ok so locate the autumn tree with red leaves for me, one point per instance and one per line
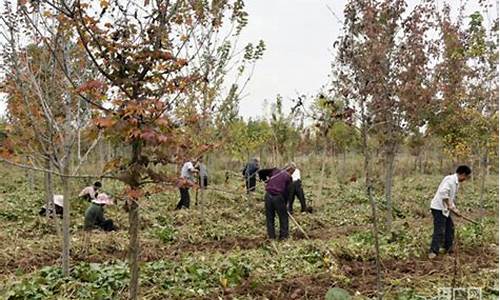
(151, 61)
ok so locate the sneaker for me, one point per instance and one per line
(432, 255)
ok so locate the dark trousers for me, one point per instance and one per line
(203, 181)
(444, 231)
(184, 202)
(59, 211)
(107, 225)
(250, 183)
(296, 190)
(276, 204)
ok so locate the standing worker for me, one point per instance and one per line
(296, 190)
(202, 176)
(250, 174)
(442, 205)
(184, 183)
(277, 191)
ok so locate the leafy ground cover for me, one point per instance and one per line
(220, 252)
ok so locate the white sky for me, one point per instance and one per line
(299, 35)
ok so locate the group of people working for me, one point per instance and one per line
(281, 188)
(94, 214)
(283, 185)
(188, 172)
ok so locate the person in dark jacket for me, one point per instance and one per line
(94, 215)
(277, 191)
(265, 174)
(250, 174)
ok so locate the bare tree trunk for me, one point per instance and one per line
(133, 215)
(48, 187)
(49, 196)
(322, 174)
(372, 201)
(133, 251)
(202, 198)
(78, 133)
(389, 171)
(484, 165)
(66, 220)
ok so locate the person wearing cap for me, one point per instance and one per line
(90, 192)
(250, 174)
(184, 183)
(442, 207)
(296, 190)
(277, 191)
(94, 215)
(58, 207)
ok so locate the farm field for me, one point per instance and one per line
(223, 252)
(113, 113)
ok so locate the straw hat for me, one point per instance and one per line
(58, 200)
(102, 198)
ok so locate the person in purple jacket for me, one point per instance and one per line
(276, 199)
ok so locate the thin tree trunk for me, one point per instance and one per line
(66, 220)
(389, 171)
(48, 187)
(372, 201)
(133, 251)
(322, 174)
(202, 198)
(133, 215)
(483, 179)
(49, 196)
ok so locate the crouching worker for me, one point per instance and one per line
(90, 193)
(276, 199)
(94, 215)
(58, 207)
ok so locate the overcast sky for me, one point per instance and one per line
(299, 35)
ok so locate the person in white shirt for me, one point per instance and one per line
(58, 207)
(185, 182)
(296, 190)
(442, 207)
(90, 193)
